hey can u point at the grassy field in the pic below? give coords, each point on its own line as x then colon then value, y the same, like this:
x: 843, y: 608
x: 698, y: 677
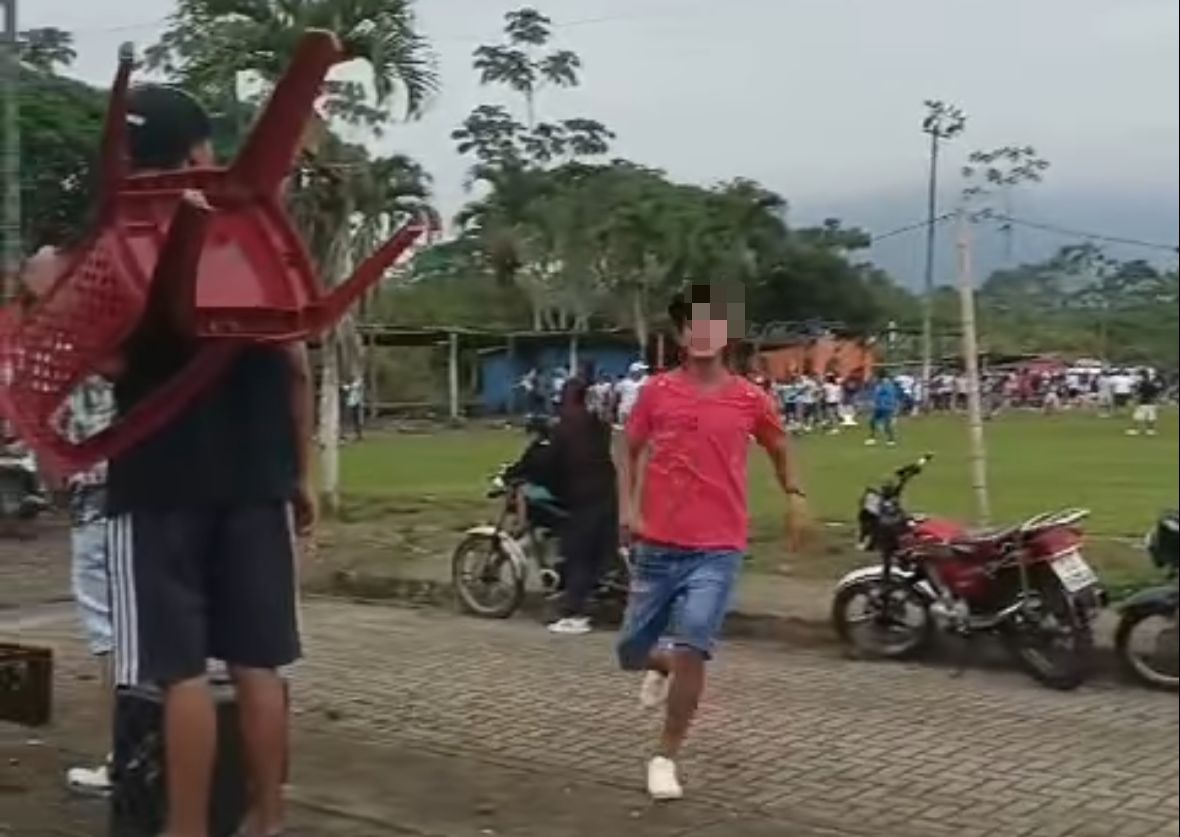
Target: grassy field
x: 1035, y: 463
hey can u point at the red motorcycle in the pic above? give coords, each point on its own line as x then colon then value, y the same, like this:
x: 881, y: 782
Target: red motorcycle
x: 1028, y: 583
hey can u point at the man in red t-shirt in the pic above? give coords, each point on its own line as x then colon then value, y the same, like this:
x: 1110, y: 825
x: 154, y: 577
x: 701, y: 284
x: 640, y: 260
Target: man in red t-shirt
x: 692, y: 427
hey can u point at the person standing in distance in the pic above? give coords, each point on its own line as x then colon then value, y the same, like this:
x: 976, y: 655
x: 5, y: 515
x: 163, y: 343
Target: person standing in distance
x: 204, y: 518
x: 627, y: 390
x: 87, y: 411
x: 691, y: 429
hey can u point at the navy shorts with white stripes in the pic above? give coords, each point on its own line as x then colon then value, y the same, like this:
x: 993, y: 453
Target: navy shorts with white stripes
x: 189, y: 585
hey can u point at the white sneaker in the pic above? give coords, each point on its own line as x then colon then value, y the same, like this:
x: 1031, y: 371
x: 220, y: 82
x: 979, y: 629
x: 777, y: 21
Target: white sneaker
x: 870, y: 442
x: 891, y: 444
x: 570, y: 626
x: 653, y: 691
x: 662, y: 783
x: 90, y: 781
x: 1132, y: 432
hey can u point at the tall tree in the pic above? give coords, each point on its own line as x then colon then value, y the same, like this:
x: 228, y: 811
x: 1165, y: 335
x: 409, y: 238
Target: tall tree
x: 207, y: 43
x: 47, y: 49
x: 518, y: 62
x: 60, y: 124
x: 1000, y: 172
x: 524, y: 221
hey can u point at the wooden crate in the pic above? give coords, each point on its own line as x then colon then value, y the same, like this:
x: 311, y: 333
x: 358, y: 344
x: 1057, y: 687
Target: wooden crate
x: 26, y: 684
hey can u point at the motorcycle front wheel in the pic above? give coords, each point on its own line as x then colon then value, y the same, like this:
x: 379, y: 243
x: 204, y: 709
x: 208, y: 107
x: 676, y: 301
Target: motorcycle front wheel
x: 893, y: 623
x: 487, y: 581
x: 1051, y: 638
x: 1146, y: 643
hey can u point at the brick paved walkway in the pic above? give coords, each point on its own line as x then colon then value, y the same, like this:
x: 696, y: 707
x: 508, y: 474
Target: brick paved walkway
x: 789, y: 742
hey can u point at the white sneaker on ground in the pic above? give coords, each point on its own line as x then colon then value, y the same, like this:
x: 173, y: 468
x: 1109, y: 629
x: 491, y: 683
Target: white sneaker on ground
x: 870, y: 442
x: 891, y: 444
x: 662, y: 783
x: 90, y: 781
x: 1131, y: 431
x: 570, y: 625
x: 653, y: 691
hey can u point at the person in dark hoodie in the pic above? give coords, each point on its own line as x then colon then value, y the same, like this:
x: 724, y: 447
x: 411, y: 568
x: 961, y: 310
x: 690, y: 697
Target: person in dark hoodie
x: 584, y: 473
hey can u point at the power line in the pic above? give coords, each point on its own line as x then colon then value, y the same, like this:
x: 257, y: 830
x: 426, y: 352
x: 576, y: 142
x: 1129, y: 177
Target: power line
x: 118, y: 27
x: 917, y: 225
x: 1092, y: 236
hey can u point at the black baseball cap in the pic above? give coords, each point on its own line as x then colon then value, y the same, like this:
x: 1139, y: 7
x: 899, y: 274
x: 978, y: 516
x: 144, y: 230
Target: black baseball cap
x: 163, y: 125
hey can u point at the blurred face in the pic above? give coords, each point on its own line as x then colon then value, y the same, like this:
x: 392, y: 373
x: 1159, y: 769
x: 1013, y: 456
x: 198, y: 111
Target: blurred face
x: 707, y: 331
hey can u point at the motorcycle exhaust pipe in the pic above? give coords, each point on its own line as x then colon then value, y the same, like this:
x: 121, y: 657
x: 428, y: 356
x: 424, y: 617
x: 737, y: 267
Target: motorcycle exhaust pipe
x: 549, y: 579
x: 989, y: 622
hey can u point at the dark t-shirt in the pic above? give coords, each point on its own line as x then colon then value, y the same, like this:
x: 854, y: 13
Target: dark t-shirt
x: 584, y: 469
x: 1148, y: 390
x: 235, y: 444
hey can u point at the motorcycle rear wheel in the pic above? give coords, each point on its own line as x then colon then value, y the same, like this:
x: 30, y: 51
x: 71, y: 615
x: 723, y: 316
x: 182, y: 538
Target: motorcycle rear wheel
x: 1029, y: 637
x: 879, y: 632
x: 487, y: 581
x: 1134, y: 664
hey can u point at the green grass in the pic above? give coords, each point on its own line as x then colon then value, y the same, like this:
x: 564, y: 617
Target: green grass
x: 1035, y: 463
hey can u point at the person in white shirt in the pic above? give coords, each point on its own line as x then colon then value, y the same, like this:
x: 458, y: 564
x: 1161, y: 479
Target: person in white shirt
x: 961, y: 388
x: 354, y: 406
x: 627, y: 390
x: 833, y: 394
x: 808, y: 396
x: 1105, y: 395
x: 1121, y: 387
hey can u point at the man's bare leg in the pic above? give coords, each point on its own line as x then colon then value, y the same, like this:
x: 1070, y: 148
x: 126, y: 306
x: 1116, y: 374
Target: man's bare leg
x: 262, y: 706
x: 190, y: 735
x: 686, y: 667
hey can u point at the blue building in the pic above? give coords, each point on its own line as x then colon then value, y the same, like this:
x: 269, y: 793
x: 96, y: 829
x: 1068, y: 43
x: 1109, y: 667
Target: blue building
x: 501, y: 368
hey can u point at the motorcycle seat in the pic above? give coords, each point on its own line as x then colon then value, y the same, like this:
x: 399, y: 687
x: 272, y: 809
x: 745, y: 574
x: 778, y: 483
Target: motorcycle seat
x: 975, y: 539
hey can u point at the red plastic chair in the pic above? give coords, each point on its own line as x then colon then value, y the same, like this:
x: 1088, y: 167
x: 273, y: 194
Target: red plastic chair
x: 229, y: 273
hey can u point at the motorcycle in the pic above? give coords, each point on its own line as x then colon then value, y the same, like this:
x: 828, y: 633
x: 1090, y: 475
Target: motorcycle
x: 21, y: 494
x: 491, y: 566
x: 1028, y: 583
x: 1147, y: 649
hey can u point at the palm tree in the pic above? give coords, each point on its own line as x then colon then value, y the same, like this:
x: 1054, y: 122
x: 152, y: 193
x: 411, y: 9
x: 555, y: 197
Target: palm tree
x: 209, y: 42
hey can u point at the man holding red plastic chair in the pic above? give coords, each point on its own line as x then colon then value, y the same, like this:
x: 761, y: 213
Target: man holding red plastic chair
x: 204, y: 519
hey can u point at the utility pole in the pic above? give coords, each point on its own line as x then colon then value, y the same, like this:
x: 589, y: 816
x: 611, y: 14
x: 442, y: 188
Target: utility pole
x: 943, y: 121
x: 977, y: 452
x: 10, y: 227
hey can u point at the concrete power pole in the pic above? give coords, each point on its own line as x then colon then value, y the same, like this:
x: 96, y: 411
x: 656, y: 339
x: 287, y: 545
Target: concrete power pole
x: 10, y: 228
x: 976, y: 449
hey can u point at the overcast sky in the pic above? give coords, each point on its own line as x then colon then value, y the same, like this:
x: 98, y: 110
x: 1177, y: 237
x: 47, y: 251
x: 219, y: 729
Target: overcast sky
x: 818, y: 99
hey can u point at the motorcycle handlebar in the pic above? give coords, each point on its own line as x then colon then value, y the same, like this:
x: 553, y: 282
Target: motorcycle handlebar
x: 908, y: 472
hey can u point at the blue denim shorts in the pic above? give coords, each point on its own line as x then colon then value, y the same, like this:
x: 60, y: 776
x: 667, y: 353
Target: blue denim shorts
x: 680, y: 595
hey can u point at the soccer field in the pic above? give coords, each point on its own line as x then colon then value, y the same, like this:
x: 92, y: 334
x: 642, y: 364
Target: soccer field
x: 1035, y: 463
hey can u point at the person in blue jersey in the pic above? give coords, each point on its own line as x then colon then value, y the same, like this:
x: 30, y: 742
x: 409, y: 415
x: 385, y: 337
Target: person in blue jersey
x: 886, y: 397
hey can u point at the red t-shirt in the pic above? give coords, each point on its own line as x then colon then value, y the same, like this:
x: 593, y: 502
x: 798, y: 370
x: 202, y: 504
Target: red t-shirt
x: 695, y: 485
